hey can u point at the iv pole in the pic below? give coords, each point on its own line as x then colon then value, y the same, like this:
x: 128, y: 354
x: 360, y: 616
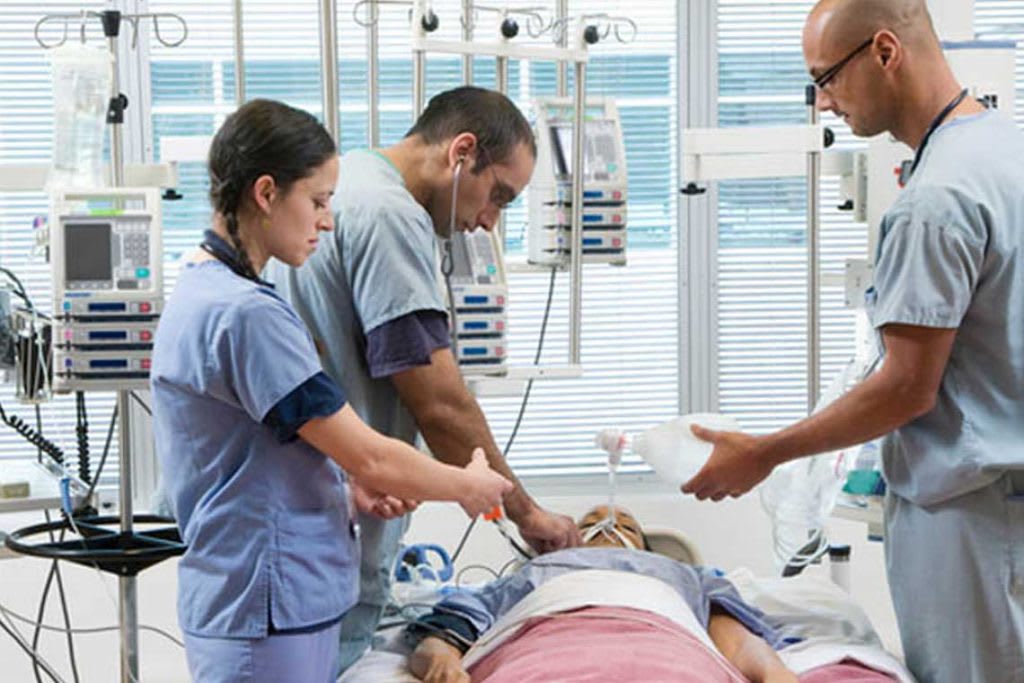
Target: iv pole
x: 131, y: 552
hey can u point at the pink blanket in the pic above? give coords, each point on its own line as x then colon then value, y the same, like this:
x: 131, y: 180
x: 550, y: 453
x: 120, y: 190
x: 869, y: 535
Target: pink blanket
x: 603, y: 644
x: 845, y: 672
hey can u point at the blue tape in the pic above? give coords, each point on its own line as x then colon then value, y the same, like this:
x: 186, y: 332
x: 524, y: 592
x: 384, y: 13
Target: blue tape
x: 65, y: 495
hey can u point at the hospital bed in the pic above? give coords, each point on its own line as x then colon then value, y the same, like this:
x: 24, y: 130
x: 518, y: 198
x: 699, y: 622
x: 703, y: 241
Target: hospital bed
x: 831, y: 626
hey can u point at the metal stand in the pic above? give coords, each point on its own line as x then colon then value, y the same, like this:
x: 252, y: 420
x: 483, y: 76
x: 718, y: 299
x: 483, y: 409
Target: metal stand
x: 424, y: 22
x: 762, y: 152
x: 813, y: 262
x: 127, y: 588
x: 125, y: 553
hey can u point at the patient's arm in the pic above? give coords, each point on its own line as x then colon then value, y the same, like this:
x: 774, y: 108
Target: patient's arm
x: 435, y: 661
x: 747, y: 652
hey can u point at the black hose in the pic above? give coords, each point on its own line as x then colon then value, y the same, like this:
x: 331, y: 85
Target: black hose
x: 82, y: 436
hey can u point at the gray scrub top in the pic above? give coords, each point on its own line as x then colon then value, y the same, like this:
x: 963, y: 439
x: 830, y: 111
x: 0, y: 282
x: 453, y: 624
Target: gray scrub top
x: 950, y: 256
x: 268, y: 524
x: 379, y: 264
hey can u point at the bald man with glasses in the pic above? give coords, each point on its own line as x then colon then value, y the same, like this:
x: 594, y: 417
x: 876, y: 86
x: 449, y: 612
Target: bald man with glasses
x: 948, y: 305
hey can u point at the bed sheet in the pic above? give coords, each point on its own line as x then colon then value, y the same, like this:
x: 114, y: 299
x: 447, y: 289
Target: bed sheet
x: 833, y: 627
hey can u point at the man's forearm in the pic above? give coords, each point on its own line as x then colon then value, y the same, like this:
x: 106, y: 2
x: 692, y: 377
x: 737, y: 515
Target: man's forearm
x: 452, y: 439
x: 452, y: 422
x: 873, y: 408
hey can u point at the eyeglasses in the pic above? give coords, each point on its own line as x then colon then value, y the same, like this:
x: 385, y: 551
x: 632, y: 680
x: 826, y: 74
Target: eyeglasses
x: 822, y: 81
x: 502, y: 193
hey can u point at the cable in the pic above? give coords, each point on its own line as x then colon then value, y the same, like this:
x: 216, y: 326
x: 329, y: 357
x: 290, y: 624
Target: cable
x: 508, y: 565
x: 110, y: 596
x: 19, y: 290
x: 11, y: 614
x: 39, y: 619
x: 447, y: 267
x: 39, y: 427
x: 522, y: 406
x: 103, y: 458
x: 448, y: 263
x: 82, y: 436
x: 142, y: 404
x: 536, y: 361
x: 465, y: 537
x: 55, y: 571
x: 32, y: 436
x: 34, y: 656
x: 458, y: 577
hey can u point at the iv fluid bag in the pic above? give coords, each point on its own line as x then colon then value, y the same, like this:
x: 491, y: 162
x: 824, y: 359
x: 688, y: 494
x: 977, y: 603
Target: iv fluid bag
x: 82, y: 81
x: 673, y: 451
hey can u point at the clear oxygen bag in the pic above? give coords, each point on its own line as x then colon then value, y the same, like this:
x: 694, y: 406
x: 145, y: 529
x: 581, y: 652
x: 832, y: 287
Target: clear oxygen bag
x: 670, y: 448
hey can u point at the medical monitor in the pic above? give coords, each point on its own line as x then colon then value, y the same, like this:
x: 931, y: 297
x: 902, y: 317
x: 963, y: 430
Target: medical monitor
x: 475, y: 259
x: 88, y: 256
x: 600, y: 150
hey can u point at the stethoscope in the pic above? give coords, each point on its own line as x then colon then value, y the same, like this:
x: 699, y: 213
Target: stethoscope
x: 447, y: 266
x: 935, y: 126
x: 215, y: 245
x: 447, y: 262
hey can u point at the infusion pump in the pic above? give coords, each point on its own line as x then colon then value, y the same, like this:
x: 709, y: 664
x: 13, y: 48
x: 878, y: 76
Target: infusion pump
x: 478, y: 302
x: 106, y: 261
x: 605, y: 191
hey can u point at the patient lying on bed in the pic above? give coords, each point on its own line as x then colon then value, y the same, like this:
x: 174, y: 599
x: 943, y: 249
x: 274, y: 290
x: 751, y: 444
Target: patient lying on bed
x: 607, y: 612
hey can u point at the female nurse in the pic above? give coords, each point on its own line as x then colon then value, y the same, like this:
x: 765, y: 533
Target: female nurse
x: 255, y: 442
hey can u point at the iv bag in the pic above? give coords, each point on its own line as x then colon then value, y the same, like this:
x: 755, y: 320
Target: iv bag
x: 82, y: 78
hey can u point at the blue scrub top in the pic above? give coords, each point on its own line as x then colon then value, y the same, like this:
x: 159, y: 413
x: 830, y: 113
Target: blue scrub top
x: 951, y: 255
x: 270, y: 537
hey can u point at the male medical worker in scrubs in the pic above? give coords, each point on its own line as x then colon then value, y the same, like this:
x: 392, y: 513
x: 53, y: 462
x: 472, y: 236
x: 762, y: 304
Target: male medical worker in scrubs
x: 948, y: 304
x: 371, y: 298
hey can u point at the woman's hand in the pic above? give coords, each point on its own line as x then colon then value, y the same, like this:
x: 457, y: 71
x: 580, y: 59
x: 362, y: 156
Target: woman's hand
x: 382, y: 505
x: 483, y: 488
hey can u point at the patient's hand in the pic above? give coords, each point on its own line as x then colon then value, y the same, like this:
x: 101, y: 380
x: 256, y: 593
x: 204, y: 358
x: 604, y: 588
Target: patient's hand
x: 783, y: 675
x: 435, y: 661
x: 747, y: 652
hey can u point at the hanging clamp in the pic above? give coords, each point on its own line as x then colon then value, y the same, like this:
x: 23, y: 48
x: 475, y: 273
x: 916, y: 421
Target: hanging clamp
x: 115, y: 111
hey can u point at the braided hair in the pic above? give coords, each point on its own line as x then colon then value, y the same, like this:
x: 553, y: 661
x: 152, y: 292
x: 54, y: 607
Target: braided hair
x: 262, y: 137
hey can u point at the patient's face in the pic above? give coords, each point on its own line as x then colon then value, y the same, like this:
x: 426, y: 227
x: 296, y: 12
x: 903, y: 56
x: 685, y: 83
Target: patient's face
x: 625, y: 523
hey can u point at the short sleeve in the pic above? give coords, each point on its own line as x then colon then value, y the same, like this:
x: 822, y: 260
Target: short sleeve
x: 318, y: 396
x: 929, y: 261
x: 264, y: 353
x: 391, y: 263
x: 406, y: 342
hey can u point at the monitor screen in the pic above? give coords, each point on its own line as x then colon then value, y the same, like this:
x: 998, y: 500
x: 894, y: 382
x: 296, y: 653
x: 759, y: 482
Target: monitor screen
x: 600, y: 152
x: 561, y: 154
x: 87, y: 252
